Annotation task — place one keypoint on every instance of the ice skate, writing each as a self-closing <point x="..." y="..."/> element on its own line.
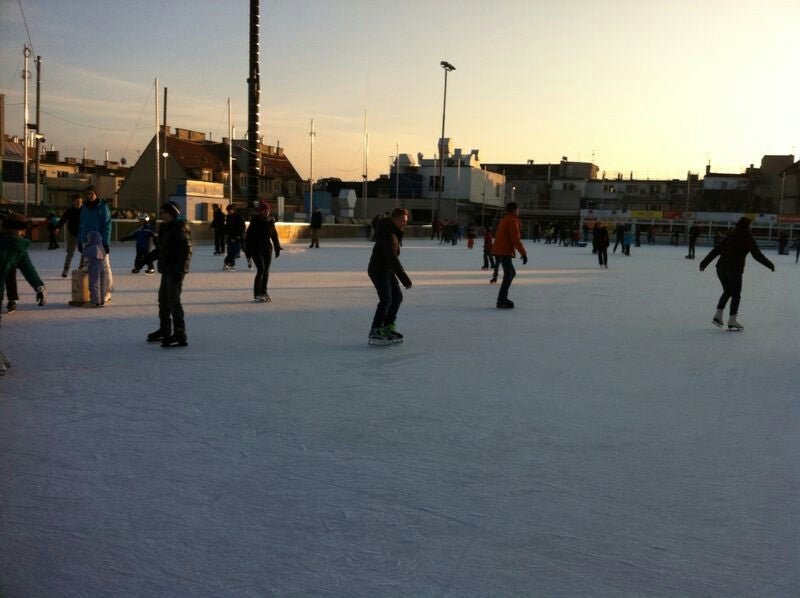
<point x="392" y="334"/>
<point x="718" y="319"/>
<point x="158" y="335"/>
<point x="493" y="280"/>
<point x="135" y="271"/>
<point x="64" y="272"/>
<point x="505" y="304"/>
<point x="11" y="306"/>
<point x="149" y="271"/>
<point x="377" y="338"/>
<point x="733" y="324"/>
<point x="176" y="340"/>
<point x="4" y="364"/>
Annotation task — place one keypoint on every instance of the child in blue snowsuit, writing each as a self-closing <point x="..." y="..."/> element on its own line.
<point x="146" y="238"/>
<point x="94" y="257"/>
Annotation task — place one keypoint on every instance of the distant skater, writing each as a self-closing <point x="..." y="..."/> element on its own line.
<point x="507" y="240"/>
<point x="94" y="257"/>
<point x="145" y="238"/>
<point x="601" y="242"/>
<point x="218" y="226"/>
<point x="733" y="251"/>
<point x="72" y="218"/>
<point x="488" y="241"/>
<point x="694" y="232"/>
<point x="316" y="226"/>
<point x="387" y="273"/>
<point x="261" y="242"/>
<point x="234" y="233"/>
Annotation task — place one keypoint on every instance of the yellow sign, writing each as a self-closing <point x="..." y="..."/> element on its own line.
<point x="646" y="214"/>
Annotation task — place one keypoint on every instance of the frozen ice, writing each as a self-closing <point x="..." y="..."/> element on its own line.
<point x="603" y="438"/>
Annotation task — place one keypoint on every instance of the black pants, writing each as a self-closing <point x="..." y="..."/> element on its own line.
<point x="508" y="276"/>
<point x="143" y="256"/>
<point x="389" y="298"/>
<point x="602" y="256"/>
<point x="53" y="240"/>
<point x="488" y="259"/>
<point x="262" y="262"/>
<point x="731" y="289"/>
<point x="170" y="310"/>
<point x="691" y="247"/>
<point x="219" y="240"/>
<point x="11" y="285"/>
<point x="617" y="243"/>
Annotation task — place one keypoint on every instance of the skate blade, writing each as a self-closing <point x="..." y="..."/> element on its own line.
<point x="379" y="343"/>
<point x="717" y="324"/>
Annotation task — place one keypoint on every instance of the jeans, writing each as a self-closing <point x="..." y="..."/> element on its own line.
<point x="72" y="242"/>
<point x="389" y="298"/>
<point x="262" y="262"/>
<point x="170" y="310"/>
<point x="691" y="247"/>
<point x="488" y="259"/>
<point x="731" y="289"/>
<point x="602" y="256"/>
<point x="314" y="237"/>
<point x="508" y="275"/>
<point x="96" y="280"/>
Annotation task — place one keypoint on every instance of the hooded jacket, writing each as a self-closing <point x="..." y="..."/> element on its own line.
<point x="93" y="249"/>
<point x="262" y="238"/>
<point x="386" y="251"/>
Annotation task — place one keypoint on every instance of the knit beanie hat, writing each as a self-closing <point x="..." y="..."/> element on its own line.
<point x="171" y="208"/>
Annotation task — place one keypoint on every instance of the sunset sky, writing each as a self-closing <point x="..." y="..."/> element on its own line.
<point x="653" y="87"/>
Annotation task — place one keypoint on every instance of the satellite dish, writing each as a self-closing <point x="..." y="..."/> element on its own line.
<point x="123" y="161"/>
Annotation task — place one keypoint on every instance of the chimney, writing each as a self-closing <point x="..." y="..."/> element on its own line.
<point x="708" y="169"/>
<point x="85" y="154"/>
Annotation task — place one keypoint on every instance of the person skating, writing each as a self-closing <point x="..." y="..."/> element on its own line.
<point x="218" y="226"/>
<point x="694" y="233"/>
<point x="733" y="252"/>
<point x="145" y="238"/>
<point x="72" y="218"/>
<point x="488" y="241"/>
<point x="384" y="270"/>
<point x="95" y="215"/>
<point x="262" y="240"/>
<point x="619" y="236"/>
<point x="52" y="230"/>
<point x="506" y="241"/>
<point x="14" y="256"/>
<point x="234" y="231"/>
<point x="600" y="242"/>
<point x="94" y="257"/>
<point x="174" y="256"/>
<point x="316" y="225"/>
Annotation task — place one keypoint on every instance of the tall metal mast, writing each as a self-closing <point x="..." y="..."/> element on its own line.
<point x="253" y="109"/>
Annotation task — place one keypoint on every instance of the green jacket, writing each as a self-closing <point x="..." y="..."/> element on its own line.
<point x="14" y="254"/>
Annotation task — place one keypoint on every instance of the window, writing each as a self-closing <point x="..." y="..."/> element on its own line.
<point x="292" y="186"/>
<point x="205" y="175"/>
<point x="497" y="190"/>
<point x="276" y="185"/>
<point x="243" y="181"/>
<point x="432" y="183"/>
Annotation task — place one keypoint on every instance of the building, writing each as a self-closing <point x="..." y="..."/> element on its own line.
<point x="195" y="173"/>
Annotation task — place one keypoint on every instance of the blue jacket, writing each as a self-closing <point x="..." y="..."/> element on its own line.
<point x="142" y="235"/>
<point x="95" y="217"/>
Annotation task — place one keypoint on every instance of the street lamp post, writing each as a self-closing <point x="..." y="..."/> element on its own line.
<point x="439" y="183"/>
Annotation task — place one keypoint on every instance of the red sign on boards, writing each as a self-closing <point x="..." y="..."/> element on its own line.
<point x="673" y="215"/>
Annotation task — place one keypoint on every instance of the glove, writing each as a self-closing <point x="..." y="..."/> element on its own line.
<point x="408" y="286"/>
<point x="80" y="247"/>
<point x="524" y="259"/>
<point x="41" y="295"/>
<point x="277" y="253"/>
<point x="772" y="268"/>
<point x="107" y="250"/>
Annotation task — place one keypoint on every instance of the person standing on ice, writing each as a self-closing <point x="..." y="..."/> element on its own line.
<point x="218" y="226"/>
<point x="174" y="256"/>
<point x="694" y="233"/>
<point x="72" y="218"/>
<point x="95" y="216"/>
<point x="316" y="225"/>
<point x="507" y="239"/>
<point x="488" y="240"/>
<point x="261" y="240"/>
<point x="384" y="270"/>
<point x="94" y="258"/>
<point x="733" y="251"/>
<point x="601" y="243"/>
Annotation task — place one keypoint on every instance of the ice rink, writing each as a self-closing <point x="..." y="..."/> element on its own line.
<point x="602" y="439"/>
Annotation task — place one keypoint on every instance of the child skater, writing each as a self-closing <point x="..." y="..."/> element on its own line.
<point x="145" y="239"/>
<point x="94" y="257"/>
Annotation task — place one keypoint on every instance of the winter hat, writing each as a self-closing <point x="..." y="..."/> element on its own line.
<point x="15" y="222"/>
<point x="264" y="205"/>
<point x="171" y="208"/>
<point x="230" y="208"/>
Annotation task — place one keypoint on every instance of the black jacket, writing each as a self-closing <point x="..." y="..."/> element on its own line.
<point x="218" y="221"/>
<point x="600" y="240"/>
<point x="174" y="247"/>
<point x="316" y="220"/>
<point x="234" y="226"/>
<point x="733" y="251"/>
<point x="72" y="216"/>
<point x="262" y="237"/>
<point x="386" y="251"/>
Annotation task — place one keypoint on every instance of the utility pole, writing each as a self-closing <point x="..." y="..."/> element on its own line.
<point x="165" y="152"/>
<point x="37" y="137"/>
<point x="397" y="175"/>
<point x="230" y="156"/>
<point x="25" y="76"/>
<point x="365" y="175"/>
<point x="253" y="110"/>
<point x="440" y="183"/>
<point x="157" y="156"/>
<point x="311" y="135"/>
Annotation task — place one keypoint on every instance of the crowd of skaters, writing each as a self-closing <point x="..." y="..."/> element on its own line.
<point x="87" y="226"/>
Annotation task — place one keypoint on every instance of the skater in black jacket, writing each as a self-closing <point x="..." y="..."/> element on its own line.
<point x="218" y="226"/>
<point x="174" y="255"/>
<point x="384" y="271"/>
<point x="601" y="243"/>
<point x="262" y="240"/>
<point x="234" y="232"/>
<point x="694" y="232"/>
<point x="733" y="251"/>
<point x="316" y="225"/>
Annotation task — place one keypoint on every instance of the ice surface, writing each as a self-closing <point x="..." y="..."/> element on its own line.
<point x="603" y="438"/>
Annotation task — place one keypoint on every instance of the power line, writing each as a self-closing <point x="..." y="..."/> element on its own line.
<point x="24" y="20"/>
<point x="136" y="126"/>
<point x="72" y="122"/>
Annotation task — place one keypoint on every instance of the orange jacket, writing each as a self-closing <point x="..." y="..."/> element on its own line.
<point x="507" y="237"/>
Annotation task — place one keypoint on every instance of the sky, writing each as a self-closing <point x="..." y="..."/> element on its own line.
<point x="649" y="87"/>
